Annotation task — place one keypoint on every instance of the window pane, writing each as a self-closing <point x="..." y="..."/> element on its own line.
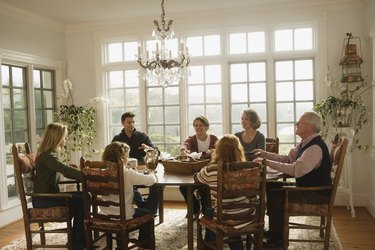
<point x="261" y="109"/>
<point x="196" y="94"/>
<point x="284" y="70"/>
<point x="214" y="112"/>
<point x="213" y="73"/>
<point x="237" y="112"/>
<point x="47" y="80"/>
<point x="257" y="71"/>
<point x="194" y="111"/>
<point x="38" y="98"/>
<point x="154" y="96"/>
<point x="131" y="78"/>
<point x="17" y="74"/>
<point x="238" y="73"/>
<point x="304" y="69"/>
<point x="286" y="132"/>
<point x="257" y="92"/>
<point x="114" y="52"/>
<point x="172" y="115"/>
<point x="48" y="99"/>
<point x="132" y="97"/>
<point x="195" y="45"/>
<point x="19" y="98"/>
<point x="171" y="96"/>
<point x="237" y="43"/>
<point x="304" y="90"/>
<point x="285" y="112"/>
<point x="256" y="42"/>
<point x="4" y="75"/>
<point x="284" y="91"/>
<point x="239" y="93"/>
<point x="116" y="79"/>
<point x="116" y="97"/>
<point x="20" y="120"/>
<point x="283" y="40"/>
<point x="303" y="39"/>
<point x="155" y="115"/>
<point x="156" y="134"/>
<point x="212" y="45"/>
<point x="196" y="75"/>
<point x="302" y="107"/>
<point x="36" y="78"/>
<point x="213" y="94"/>
<point x="131" y="51"/>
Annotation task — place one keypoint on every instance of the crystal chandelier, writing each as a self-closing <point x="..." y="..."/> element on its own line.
<point x="160" y="68"/>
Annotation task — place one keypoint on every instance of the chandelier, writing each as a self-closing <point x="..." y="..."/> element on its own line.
<point x="160" y="67"/>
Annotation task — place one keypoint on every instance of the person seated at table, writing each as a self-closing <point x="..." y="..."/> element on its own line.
<point x="201" y="142"/>
<point x="115" y="151"/>
<point x="228" y="149"/>
<point x="309" y="162"/>
<point x="250" y="137"/>
<point x="48" y="168"/>
<point x="138" y="142"/>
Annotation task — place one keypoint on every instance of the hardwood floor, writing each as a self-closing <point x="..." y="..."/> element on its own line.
<point x="354" y="233"/>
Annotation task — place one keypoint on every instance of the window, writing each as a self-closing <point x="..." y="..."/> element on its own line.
<point x="21" y="123"/>
<point x="226" y="77"/>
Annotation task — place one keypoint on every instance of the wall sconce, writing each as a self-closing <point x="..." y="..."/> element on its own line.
<point x="351" y="61"/>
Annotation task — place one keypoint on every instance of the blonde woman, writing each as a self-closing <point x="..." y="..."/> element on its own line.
<point x="228" y="149"/>
<point x="115" y="151"/>
<point x="48" y="168"/>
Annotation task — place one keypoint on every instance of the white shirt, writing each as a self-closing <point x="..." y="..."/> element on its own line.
<point x="203" y="146"/>
<point x="131" y="178"/>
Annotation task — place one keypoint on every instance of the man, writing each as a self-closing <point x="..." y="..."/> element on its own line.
<point x="138" y="143"/>
<point x="309" y="162"/>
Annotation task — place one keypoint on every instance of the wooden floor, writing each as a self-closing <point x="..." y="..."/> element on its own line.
<point x="354" y="233"/>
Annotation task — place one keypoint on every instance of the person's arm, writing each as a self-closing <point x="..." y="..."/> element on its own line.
<point x="55" y="164"/>
<point x="309" y="160"/>
<point x="187" y="146"/>
<point x="140" y="178"/>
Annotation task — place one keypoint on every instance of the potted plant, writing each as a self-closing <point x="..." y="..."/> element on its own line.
<point x="344" y="108"/>
<point x="80" y="122"/>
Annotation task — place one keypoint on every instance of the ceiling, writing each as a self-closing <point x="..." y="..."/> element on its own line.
<point x="82" y="11"/>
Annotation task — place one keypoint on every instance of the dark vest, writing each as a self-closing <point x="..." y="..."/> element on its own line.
<point x="320" y="176"/>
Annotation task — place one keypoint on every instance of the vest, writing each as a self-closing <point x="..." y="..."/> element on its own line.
<point x="320" y="176"/>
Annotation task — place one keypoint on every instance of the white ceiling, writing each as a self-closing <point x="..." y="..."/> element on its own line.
<point x="78" y="11"/>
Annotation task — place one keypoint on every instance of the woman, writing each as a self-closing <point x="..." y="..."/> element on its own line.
<point x="228" y="149"/>
<point x="250" y="137"/>
<point x="115" y="151"/>
<point x="204" y="143"/>
<point x="48" y="168"/>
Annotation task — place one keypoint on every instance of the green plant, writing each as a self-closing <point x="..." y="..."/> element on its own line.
<point x="345" y="108"/>
<point x="80" y="122"/>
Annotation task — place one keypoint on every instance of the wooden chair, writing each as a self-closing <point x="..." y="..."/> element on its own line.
<point x="103" y="186"/>
<point x="247" y="179"/>
<point x="35" y="219"/>
<point x="324" y="211"/>
<point x="272" y="145"/>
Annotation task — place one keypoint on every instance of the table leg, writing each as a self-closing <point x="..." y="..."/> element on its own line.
<point x="190" y="192"/>
<point x="161" y="204"/>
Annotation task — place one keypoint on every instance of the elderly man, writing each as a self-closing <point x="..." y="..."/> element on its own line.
<point x="309" y="162"/>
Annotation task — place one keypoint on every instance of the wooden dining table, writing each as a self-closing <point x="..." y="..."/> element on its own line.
<point x="172" y="178"/>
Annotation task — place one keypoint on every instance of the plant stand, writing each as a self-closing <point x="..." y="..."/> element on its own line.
<point x="345" y="184"/>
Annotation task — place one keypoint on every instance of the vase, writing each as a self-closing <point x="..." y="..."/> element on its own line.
<point x="342" y="117"/>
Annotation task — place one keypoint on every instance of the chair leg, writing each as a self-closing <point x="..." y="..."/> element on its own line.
<point x="328" y="232"/>
<point x="322" y="226"/>
<point x="42" y="234"/>
<point x="286" y="230"/>
<point x="219" y="240"/>
<point x="199" y="236"/>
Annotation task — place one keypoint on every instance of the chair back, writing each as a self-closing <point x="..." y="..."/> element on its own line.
<point x="272" y="145"/>
<point x="337" y="154"/>
<point x="241" y="195"/>
<point x="24" y="167"/>
<point x="103" y="186"/>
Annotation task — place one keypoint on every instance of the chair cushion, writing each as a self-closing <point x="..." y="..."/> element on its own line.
<point x="308" y="209"/>
<point x="211" y="223"/>
<point x="50" y="212"/>
<point x="116" y="224"/>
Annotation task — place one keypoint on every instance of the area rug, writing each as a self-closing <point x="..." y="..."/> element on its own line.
<point x="172" y="234"/>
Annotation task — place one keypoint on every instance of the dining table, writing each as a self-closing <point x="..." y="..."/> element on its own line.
<point x="174" y="178"/>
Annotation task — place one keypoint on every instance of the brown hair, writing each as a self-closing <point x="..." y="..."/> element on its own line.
<point x="115" y="151"/>
<point x="53" y="135"/>
<point x="253" y="117"/>
<point x="203" y="120"/>
<point x="228" y="149"/>
<point x="127" y="114"/>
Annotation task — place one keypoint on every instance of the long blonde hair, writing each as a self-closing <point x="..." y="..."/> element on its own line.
<point x="53" y="136"/>
<point x="228" y="149"/>
<point x="115" y="151"/>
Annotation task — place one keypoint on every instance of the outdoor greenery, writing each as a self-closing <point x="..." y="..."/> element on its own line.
<point x="345" y="108"/>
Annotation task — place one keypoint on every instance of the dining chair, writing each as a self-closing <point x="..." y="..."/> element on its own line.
<point x="36" y="219"/>
<point x="104" y="187"/>
<point x="324" y="211"/>
<point x="272" y="145"/>
<point x="248" y="181"/>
